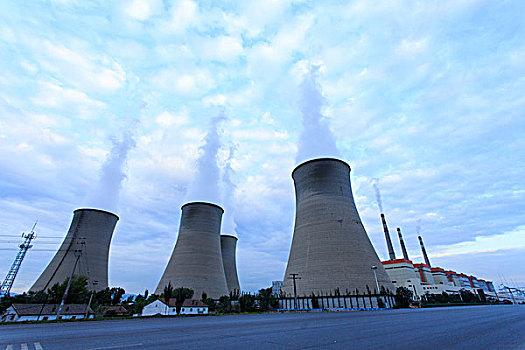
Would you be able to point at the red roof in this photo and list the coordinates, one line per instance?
(421, 265)
(451, 272)
(437, 269)
(396, 261)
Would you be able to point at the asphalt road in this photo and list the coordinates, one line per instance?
(479, 327)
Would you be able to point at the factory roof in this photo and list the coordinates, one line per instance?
(437, 269)
(396, 261)
(50, 309)
(421, 265)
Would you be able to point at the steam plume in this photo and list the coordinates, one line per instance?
(316, 139)
(418, 227)
(205, 186)
(378, 195)
(106, 193)
(228, 225)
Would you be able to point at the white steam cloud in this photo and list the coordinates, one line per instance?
(375, 183)
(205, 185)
(105, 195)
(316, 139)
(228, 222)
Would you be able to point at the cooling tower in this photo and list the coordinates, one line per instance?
(228, 248)
(330, 247)
(196, 261)
(91, 231)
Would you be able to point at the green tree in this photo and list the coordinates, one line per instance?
(78, 292)
(224, 304)
(403, 297)
(181, 294)
(266, 299)
(247, 303)
(168, 292)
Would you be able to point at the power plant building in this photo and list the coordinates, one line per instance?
(228, 249)
(330, 248)
(84, 249)
(196, 261)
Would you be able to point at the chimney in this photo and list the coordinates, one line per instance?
(402, 242)
(391, 252)
(424, 251)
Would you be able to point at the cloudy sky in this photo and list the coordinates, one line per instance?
(140, 106)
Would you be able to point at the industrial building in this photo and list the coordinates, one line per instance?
(196, 261)
(84, 251)
(330, 248)
(228, 249)
(422, 278)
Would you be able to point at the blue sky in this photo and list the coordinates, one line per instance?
(427, 97)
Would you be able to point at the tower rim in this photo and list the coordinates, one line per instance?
(97, 210)
(203, 203)
(318, 160)
(229, 235)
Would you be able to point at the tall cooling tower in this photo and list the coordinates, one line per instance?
(228, 245)
(196, 261)
(90, 231)
(330, 247)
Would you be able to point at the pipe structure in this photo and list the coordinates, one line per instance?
(228, 248)
(389, 245)
(402, 243)
(423, 250)
(91, 230)
(330, 249)
(196, 261)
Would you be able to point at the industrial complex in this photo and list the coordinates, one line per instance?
(331, 254)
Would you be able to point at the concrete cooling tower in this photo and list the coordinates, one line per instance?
(330, 247)
(196, 261)
(228, 245)
(89, 237)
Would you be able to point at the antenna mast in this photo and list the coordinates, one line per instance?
(11, 275)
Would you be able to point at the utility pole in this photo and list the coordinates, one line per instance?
(78, 254)
(13, 271)
(294, 277)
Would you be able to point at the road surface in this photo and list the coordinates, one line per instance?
(478, 327)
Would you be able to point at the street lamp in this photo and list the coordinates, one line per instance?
(374, 268)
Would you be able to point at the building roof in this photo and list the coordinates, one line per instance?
(50, 309)
(437, 269)
(396, 261)
(187, 302)
(421, 265)
(114, 309)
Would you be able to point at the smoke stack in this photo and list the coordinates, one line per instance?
(228, 245)
(330, 247)
(425, 256)
(196, 261)
(391, 252)
(402, 242)
(90, 231)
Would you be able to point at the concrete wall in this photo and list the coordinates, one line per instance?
(330, 247)
(228, 249)
(196, 261)
(95, 228)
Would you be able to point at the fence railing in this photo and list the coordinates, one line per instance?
(349, 301)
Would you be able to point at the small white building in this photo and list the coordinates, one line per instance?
(43, 312)
(161, 307)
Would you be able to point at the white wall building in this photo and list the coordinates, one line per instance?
(161, 307)
(43, 312)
